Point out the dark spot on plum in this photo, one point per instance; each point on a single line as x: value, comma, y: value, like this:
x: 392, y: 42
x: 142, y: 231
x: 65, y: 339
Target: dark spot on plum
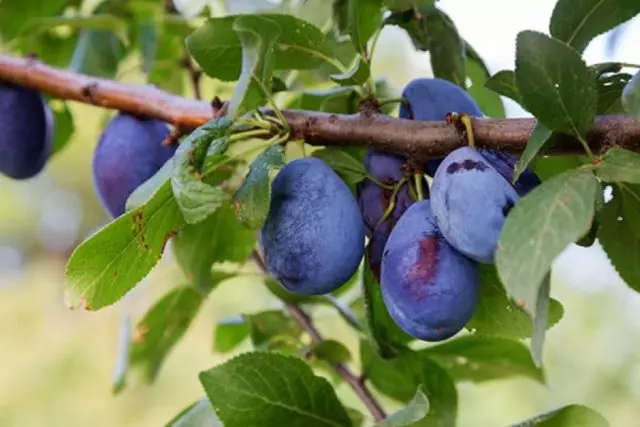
x: 425, y: 267
x: 466, y: 165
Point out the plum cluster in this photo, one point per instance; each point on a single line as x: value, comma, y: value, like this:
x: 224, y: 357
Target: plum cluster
x: 423, y: 252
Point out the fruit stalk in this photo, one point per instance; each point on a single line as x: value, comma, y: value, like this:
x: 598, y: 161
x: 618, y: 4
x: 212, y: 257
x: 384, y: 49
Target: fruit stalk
x: 412, y: 138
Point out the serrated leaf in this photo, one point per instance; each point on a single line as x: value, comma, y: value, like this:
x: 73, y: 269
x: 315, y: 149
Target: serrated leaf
x: 219, y: 238
x: 496, y: 315
x: 365, y: 17
x: 571, y: 415
x: 539, y: 227
x: 229, y: 333
x: 619, y: 165
x: 579, y: 22
x: 619, y: 233
x: 272, y: 389
x: 98, y: 53
x: 538, y: 138
x: 253, y: 198
x: 356, y: 76
x: 198, y: 414
x: 631, y: 96
x: 446, y: 47
x: 257, y: 36
x: 217, y: 48
x: 504, y: 83
x: 477, y: 359
x: 110, y: 263
x: 539, y: 318
x: 346, y: 166
x: 415, y: 411
x: 477, y: 71
x: 555, y: 84
x: 63, y: 126
x: 330, y: 351
x: 272, y: 330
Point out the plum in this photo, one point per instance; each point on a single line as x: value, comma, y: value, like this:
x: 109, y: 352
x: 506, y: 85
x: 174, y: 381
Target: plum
x: 505, y: 164
x: 470, y: 200
x: 313, y: 236
x: 429, y: 288
x: 129, y: 152
x: 26, y: 131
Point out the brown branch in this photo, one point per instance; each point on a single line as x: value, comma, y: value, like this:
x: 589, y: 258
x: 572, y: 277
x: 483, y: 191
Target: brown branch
x: 356, y: 383
x: 412, y: 138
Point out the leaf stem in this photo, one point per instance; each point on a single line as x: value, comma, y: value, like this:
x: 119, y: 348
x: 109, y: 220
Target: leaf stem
x: 241, y: 136
x: 274, y: 106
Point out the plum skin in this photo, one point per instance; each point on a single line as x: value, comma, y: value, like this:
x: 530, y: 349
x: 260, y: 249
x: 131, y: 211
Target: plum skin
x: 470, y: 200
x: 26, y: 131
x: 430, y: 289
x: 129, y: 152
x: 313, y: 237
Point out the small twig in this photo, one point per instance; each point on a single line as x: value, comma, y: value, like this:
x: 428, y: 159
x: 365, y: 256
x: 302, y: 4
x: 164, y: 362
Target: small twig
x: 195, y: 75
x: 356, y: 382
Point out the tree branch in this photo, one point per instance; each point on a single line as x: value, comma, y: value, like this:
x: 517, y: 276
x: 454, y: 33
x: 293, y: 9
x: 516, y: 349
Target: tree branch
x: 416, y: 139
x: 303, y: 319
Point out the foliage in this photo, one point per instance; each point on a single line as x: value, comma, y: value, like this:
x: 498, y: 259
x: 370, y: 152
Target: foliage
x: 210, y: 199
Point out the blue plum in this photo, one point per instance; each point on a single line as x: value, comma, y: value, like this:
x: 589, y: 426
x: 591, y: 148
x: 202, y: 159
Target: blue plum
x: 470, y: 200
x: 129, y: 152
x: 313, y: 237
x: 26, y: 131
x: 505, y: 164
x: 430, y: 289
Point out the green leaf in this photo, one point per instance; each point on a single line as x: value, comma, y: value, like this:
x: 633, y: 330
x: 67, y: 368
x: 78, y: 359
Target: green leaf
x: 567, y: 416
x: 257, y: 36
x: 198, y: 246
x: 166, y: 72
x: 253, y: 198
x: 489, y: 102
x: 619, y: 165
x: 631, y: 96
x: 111, y: 262
x: 610, y: 93
x: 546, y: 167
x: 539, y: 227
x: 577, y: 23
x: 407, y: 4
x: 229, y: 333
x: 144, y: 192
x: 162, y: 327
x: 63, y: 126
x: 399, y: 378
x: 330, y: 351
x: 356, y: 417
x: 477, y: 359
x: 198, y: 414
x: 106, y: 22
x: 446, y: 47
x: 148, y: 41
x: 272, y: 390
x: 538, y: 138
x: 415, y: 411
x: 387, y: 336
x: 14, y: 14
x: 273, y: 329
x: 345, y: 165
x: 504, y: 83
x: 340, y: 100
x: 496, y: 315
x: 555, y: 84
x: 217, y: 48
x: 539, y: 318
x: 365, y: 17
x: 356, y: 76
x: 619, y: 233
x: 98, y: 53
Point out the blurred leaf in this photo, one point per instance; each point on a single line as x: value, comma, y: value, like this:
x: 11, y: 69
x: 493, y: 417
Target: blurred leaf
x: 619, y: 165
x: 539, y: 317
x: 253, y: 198
x: 340, y: 14
x: 162, y: 327
x: 217, y: 48
x: 365, y: 17
x: 258, y: 36
x: 407, y: 4
x: 577, y: 23
x: 356, y: 417
x: 631, y: 96
x: 330, y: 351
x: 555, y: 84
x: 489, y: 101
x: 272, y: 330
x: 63, y: 126
x: 537, y: 139
x: 166, y: 71
x: 496, y: 315
x: 340, y: 100
x: 399, y: 378
x: 415, y: 411
x: 610, y: 89
x: 218, y: 238
x: 539, y: 227
x: 477, y: 359
x: 122, y: 355
x: 229, y: 333
x: 446, y: 47
x: 272, y: 390
x: 567, y: 416
x: 504, y: 83
x: 198, y: 414
x: 356, y: 76
x: 98, y: 53
x: 51, y: 48
x: 14, y: 14
x: 106, y: 266
x: 619, y: 233
x: 110, y: 23
x: 346, y: 166
x: 546, y: 167
x: 148, y: 40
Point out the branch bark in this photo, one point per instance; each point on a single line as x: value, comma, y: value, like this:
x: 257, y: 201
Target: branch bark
x: 416, y: 139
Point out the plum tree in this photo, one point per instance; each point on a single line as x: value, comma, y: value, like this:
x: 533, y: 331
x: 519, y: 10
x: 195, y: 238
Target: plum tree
x: 429, y: 288
x: 129, y: 152
x: 470, y: 200
x: 313, y: 237
x: 26, y: 131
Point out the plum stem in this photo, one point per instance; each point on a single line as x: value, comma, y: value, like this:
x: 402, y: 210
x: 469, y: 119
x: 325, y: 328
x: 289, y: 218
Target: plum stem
x: 240, y: 136
x: 392, y: 201
x: 418, y: 180
x: 379, y: 183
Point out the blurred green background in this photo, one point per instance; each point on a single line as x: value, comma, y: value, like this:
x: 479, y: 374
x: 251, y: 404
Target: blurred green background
x: 56, y: 365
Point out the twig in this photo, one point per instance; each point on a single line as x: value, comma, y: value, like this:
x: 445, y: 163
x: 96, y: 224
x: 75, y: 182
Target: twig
x: 194, y: 75
x: 415, y: 139
x: 356, y: 383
